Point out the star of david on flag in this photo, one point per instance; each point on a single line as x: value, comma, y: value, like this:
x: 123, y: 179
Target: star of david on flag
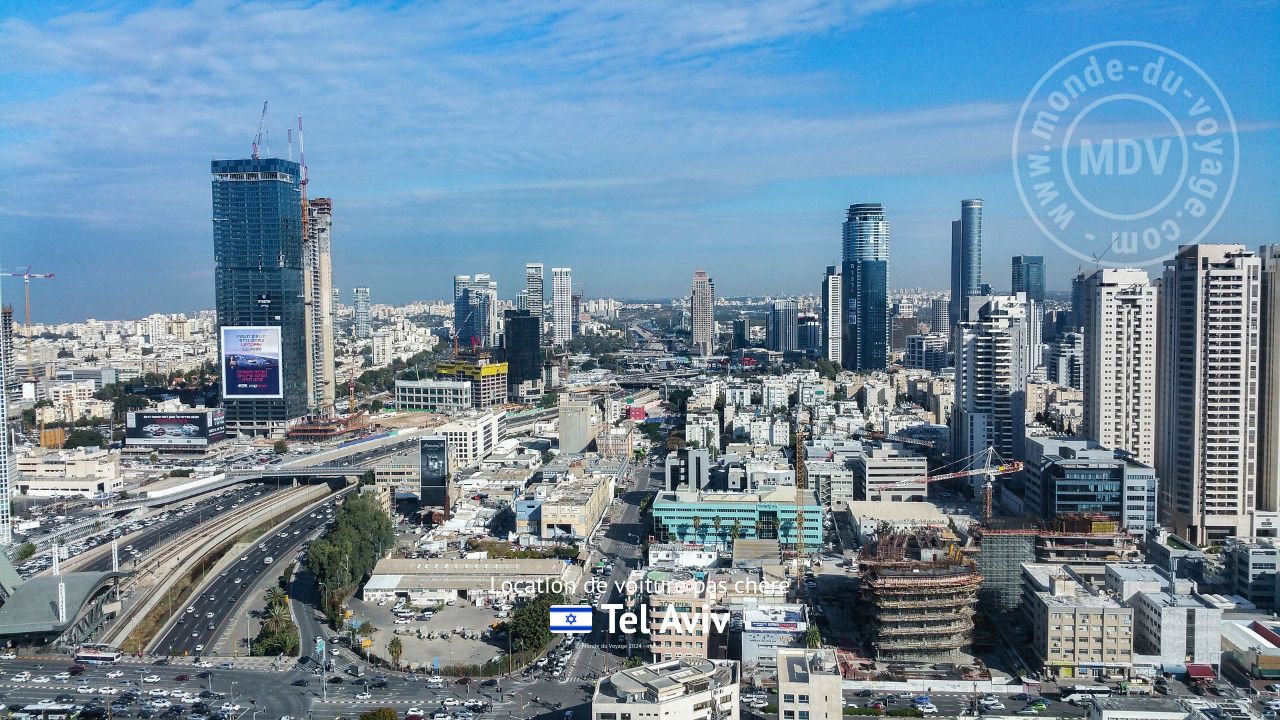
x: 570, y: 619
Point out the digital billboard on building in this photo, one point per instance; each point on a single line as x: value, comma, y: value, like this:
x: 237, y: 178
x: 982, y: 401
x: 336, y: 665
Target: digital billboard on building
x: 178, y: 430
x: 251, y: 363
x: 434, y: 457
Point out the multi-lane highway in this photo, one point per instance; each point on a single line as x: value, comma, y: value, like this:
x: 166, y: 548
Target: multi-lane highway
x: 223, y: 599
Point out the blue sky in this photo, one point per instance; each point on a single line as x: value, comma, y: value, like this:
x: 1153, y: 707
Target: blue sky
x: 635, y: 142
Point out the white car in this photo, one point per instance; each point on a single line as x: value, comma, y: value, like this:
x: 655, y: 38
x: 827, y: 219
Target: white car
x: 160, y: 703
x: 450, y: 702
x: 363, y: 695
x: 40, y: 679
x: 203, y: 664
x: 997, y: 705
x: 928, y: 708
x: 62, y: 676
x: 8, y: 656
x: 108, y: 690
x: 229, y: 707
x: 158, y: 692
x: 115, y: 674
x: 199, y: 648
x: 151, y: 679
x: 86, y: 690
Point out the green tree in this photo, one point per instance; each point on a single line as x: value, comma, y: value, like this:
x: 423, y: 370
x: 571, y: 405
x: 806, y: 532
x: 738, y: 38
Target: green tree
x: 366, y: 629
x: 379, y: 714
x: 697, y: 526
x: 25, y: 551
x: 716, y: 522
x: 375, y: 405
x: 83, y: 437
x: 813, y: 636
x: 276, y: 618
x: 735, y: 530
x: 395, y: 649
x: 281, y: 447
x: 549, y: 400
x: 275, y: 596
x: 528, y: 624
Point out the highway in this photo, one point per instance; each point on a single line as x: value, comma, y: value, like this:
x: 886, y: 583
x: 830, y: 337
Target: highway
x: 222, y: 597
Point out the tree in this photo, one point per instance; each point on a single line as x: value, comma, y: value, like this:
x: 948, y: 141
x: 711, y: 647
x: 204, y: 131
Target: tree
x: 276, y: 618
x: 549, y: 400
x: 528, y: 624
x: 735, y: 530
x: 715, y: 521
x: 281, y: 447
x: 83, y: 438
x: 375, y: 405
x: 25, y: 551
x: 395, y: 648
x: 697, y: 525
x: 379, y: 713
x: 813, y: 637
x: 366, y: 629
x: 275, y: 596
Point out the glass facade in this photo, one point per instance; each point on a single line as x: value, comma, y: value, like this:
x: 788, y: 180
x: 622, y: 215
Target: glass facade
x: 966, y: 259
x: 865, y: 269
x: 1028, y: 277
x: 522, y: 332
x: 258, y: 276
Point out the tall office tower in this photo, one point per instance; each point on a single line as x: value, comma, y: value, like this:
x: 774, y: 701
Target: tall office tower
x: 6, y: 462
x: 258, y: 282
x: 522, y: 300
x: 1028, y: 277
x: 521, y: 338
x: 1207, y: 391
x: 1119, y: 368
x: 1079, y: 293
x: 702, y: 308
x: 534, y: 289
x: 742, y: 333
x: 966, y: 259
x: 317, y: 287
x: 360, y: 299
x: 832, y: 327
x: 865, y: 267
x: 561, y: 305
x: 996, y: 351
x: 940, y: 319
x: 1269, y: 388
x: 9, y: 371
x: 475, y: 309
x: 809, y: 334
x: 782, y: 331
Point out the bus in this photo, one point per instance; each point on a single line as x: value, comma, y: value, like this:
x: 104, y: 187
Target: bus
x: 97, y: 655
x: 1078, y: 694
x: 46, y: 711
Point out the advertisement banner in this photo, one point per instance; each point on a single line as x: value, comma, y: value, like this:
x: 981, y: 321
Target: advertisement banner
x: 251, y: 363
x: 181, y: 429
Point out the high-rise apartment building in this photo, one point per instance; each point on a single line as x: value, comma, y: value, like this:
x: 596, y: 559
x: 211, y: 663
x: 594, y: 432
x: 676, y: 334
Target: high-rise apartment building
x: 1028, y: 277
x: 832, y: 320
x: 782, y: 333
x: 521, y: 336
x: 317, y: 287
x: 1064, y: 361
x: 1207, y: 391
x: 966, y: 259
x: 995, y: 352
x: 360, y: 298
x: 475, y: 310
x: 702, y: 309
x: 1269, y: 387
x: 561, y: 305
x: 535, y: 293
x: 1119, y: 369
x: 742, y: 333
x: 6, y: 461
x: 258, y: 283
x: 940, y: 315
x: 865, y: 268
x: 9, y: 370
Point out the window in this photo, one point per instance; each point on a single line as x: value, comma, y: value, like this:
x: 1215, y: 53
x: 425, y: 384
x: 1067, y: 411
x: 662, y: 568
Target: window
x: 804, y: 699
x: 788, y: 698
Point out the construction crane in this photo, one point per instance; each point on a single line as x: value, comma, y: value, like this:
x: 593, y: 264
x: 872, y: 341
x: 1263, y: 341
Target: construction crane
x: 877, y: 435
x: 27, y: 276
x: 991, y: 468
x: 262, y: 125
x: 802, y: 487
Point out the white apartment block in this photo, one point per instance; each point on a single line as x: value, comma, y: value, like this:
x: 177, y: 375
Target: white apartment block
x: 562, y: 305
x: 686, y: 689
x: 809, y: 684
x: 774, y: 393
x: 1269, y: 391
x: 833, y: 316
x: 890, y: 471
x: 702, y: 311
x: 534, y: 289
x: 703, y: 428
x: 472, y: 437
x: 995, y: 354
x: 1119, y: 374
x: 1178, y: 628
x: 443, y: 396
x: 1207, y: 396
x: 384, y: 348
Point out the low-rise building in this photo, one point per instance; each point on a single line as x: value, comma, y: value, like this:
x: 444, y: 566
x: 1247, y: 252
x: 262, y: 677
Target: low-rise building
x: 573, y: 506
x: 715, y: 517
x: 428, y: 582
x: 1251, y: 570
x: 809, y: 684
x: 443, y: 396
x: 765, y: 631
x: 1177, y: 628
x: 1077, y: 631
x: 82, y: 472
x: 890, y: 471
x: 687, y: 689
x: 617, y: 442
x: 472, y: 437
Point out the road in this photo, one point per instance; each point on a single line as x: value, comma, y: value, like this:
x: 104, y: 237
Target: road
x: 220, y: 601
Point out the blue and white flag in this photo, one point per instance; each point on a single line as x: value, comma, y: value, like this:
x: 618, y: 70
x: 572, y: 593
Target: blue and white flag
x: 570, y: 619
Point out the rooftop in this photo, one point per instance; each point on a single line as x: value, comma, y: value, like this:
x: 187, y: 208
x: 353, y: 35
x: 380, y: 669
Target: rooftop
x: 666, y: 680
x: 33, y: 607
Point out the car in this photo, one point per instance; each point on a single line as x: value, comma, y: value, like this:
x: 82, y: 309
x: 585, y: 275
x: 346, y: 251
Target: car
x: 151, y: 679
x: 158, y: 692
x: 463, y: 681
x: 86, y: 690
x: 864, y: 693
x: 301, y: 682
x: 1028, y: 711
x: 108, y: 690
x: 183, y: 677
x: 115, y: 674
x: 62, y: 676
x: 1021, y: 697
x: 335, y: 680
x: 1273, y: 704
x: 239, y: 580
x: 927, y: 708
x: 159, y: 703
x: 491, y: 682
x: 363, y: 695
x: 200, y: 647
x: 22, y: 676
x: 229, y: 707
x: 997, y: 705
x: 440, y: 715
x: 450, y: 702
x: 874, y: 705
x: 8, y: 656
x: 40, y: 679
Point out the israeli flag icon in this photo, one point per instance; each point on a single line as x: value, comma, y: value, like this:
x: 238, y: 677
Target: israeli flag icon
x: 570, y: 619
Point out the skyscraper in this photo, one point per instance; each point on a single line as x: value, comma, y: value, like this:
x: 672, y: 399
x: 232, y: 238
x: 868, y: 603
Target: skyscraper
x: 1269, y: 387
x: 995, y: 352
x: 940, y: 315
x: 1119, y: 369
x: 258, y: 283
x: 865, y: 267
x: 782, y: 332
x: 6, y: 462
x: 360, y: 299
x: 741, y: 332
x: 1028, y: 277
x: 475, y: 310
x: 317, y: 284
x: 9, y: 371
x: 562, y: 305
x: 702, y: 308
x: 521, y: 336
x: 1207, y: 391
x: 966, y: 259
x: 832, y: 322
x: 534, y: 289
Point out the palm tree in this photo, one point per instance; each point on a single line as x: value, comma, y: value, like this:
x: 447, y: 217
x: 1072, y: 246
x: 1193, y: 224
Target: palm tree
x: 275, y: 596
x: 716, y: 522
x: 276, y: 618
x: 395, y: 649
x: 697, y: 526
x: 735, y: 530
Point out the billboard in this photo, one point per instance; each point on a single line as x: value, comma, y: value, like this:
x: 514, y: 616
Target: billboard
x: 251, y: 363
x: 433, y: 454
x: 175, y: 430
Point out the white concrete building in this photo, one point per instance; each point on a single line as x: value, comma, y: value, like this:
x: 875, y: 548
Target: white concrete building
x: 702, y: 312
x: 1207, y: 436
x: 384, y: 348
x: 890, y: 471
x: 1178, y: 628
x: 534, y: 289
x: 444, y: 396
x: 997, y: 350
x: 1119, y: 371
x: 774, y: 393
x: 317, y: 287
x: 683, y: 689
x: 472, y: 437
x: 809, y: 684
x: 832, y: 316
x: 562, y: 305
x: 83, y: 472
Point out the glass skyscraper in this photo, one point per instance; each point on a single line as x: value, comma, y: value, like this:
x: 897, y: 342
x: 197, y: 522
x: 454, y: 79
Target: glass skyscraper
x: 865, y: 269
x: 258, y: 278
x: 1028, y: 277
x: 966, y: 259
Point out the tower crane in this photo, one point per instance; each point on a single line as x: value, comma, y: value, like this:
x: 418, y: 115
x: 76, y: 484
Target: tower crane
x: 262, y: 125
x: 27, y: 276
x: 802, y: 488
x: 992, y: 466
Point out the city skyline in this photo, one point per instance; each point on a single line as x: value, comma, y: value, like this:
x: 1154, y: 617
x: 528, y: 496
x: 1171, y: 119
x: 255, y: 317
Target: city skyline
x: 85, y: 185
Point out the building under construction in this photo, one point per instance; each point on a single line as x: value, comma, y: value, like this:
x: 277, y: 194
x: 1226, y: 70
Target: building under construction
x: 921, y: 597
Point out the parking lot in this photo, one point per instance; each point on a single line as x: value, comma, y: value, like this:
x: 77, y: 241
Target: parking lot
x: 448, y: 646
